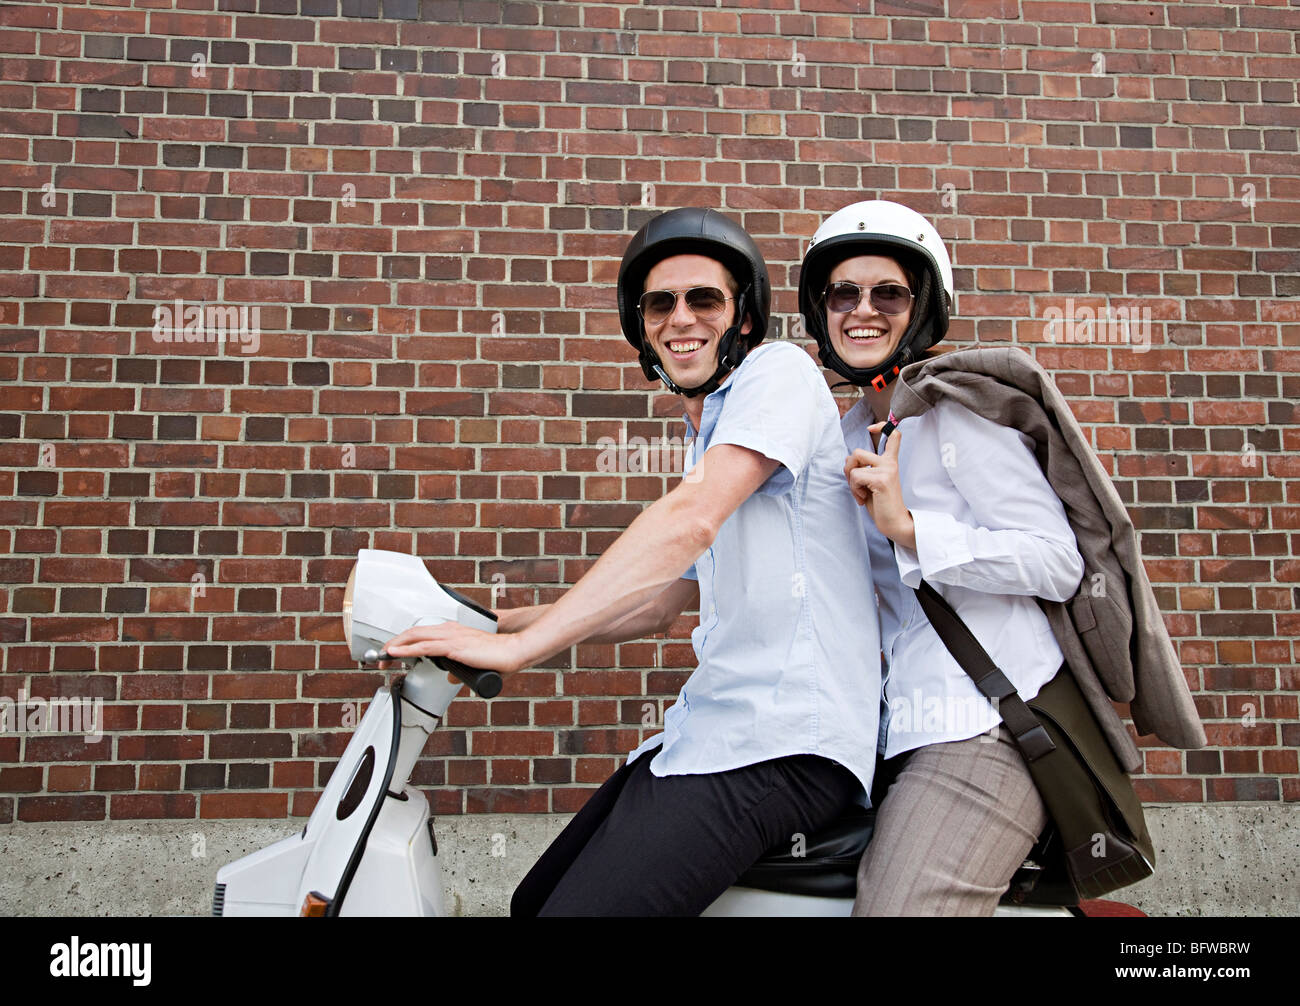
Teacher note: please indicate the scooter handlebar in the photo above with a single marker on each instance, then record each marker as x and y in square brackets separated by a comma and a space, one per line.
[484, 683]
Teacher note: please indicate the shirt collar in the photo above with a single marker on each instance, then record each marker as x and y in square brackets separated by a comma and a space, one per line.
[712, 402]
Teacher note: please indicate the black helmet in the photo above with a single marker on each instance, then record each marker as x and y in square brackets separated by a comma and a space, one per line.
[879, 227]
[695, 231]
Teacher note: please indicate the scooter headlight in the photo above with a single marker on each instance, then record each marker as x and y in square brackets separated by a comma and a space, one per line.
[347, 606]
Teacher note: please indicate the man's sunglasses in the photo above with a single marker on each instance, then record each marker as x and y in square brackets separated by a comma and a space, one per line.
[705, 302]
[887, 298]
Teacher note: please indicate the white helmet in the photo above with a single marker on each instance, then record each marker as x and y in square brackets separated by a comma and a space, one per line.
[879, 227]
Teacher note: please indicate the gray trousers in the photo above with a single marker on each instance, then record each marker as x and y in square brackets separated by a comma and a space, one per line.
[953, 828]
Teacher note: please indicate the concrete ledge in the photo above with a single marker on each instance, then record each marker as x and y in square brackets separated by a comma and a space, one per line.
[1221, 859]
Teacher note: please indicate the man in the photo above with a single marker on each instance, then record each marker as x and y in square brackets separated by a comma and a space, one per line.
[774, 733]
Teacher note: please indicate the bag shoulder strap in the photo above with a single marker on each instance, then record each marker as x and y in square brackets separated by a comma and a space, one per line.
[1030, 736]
[1032, 740]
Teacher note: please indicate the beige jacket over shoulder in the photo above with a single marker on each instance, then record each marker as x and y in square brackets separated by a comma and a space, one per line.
[1112, 634]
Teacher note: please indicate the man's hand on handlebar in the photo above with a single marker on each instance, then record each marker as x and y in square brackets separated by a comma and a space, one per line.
[484, 650]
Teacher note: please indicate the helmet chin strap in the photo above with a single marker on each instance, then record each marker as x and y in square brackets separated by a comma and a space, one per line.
[878, 377]
[726, 348]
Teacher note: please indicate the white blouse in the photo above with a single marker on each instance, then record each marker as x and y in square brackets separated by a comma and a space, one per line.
[991, 535]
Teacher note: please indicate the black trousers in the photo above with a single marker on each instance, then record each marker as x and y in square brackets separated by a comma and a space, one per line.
[650, 845]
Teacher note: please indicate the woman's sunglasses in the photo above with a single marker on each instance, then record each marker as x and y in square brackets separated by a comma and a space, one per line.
[887, 298]
[705, 302]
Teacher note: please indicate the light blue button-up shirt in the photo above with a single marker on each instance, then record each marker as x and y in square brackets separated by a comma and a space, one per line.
[788, 644]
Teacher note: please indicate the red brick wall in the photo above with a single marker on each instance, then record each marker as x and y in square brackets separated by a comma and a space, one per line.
[427, 202]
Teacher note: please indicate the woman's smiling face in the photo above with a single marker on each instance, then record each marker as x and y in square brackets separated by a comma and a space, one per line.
[864, 337]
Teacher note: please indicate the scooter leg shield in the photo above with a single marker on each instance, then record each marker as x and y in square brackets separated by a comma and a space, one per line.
[325, 855]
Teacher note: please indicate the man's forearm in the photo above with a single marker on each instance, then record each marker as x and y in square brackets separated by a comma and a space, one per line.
[640, 622]
[636, 625]
[656, 549]
[645, 563]
[518, 619]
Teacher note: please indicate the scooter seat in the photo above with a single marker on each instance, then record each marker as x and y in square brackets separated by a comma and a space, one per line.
[826, 864]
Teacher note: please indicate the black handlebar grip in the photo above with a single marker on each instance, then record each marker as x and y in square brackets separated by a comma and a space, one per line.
[485, 683]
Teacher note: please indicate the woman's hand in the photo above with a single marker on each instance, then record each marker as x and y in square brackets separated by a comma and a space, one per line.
[873, 480]
[482, 650]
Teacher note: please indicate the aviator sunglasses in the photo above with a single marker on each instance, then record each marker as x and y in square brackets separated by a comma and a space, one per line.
[887, 298]
[705, 302]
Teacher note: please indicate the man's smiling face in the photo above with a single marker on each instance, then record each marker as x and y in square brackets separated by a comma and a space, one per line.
[687, 345]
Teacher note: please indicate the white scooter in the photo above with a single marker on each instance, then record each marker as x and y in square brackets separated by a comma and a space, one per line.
[369, 848]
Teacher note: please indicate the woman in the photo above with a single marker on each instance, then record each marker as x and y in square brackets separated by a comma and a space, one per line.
[964, 505]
